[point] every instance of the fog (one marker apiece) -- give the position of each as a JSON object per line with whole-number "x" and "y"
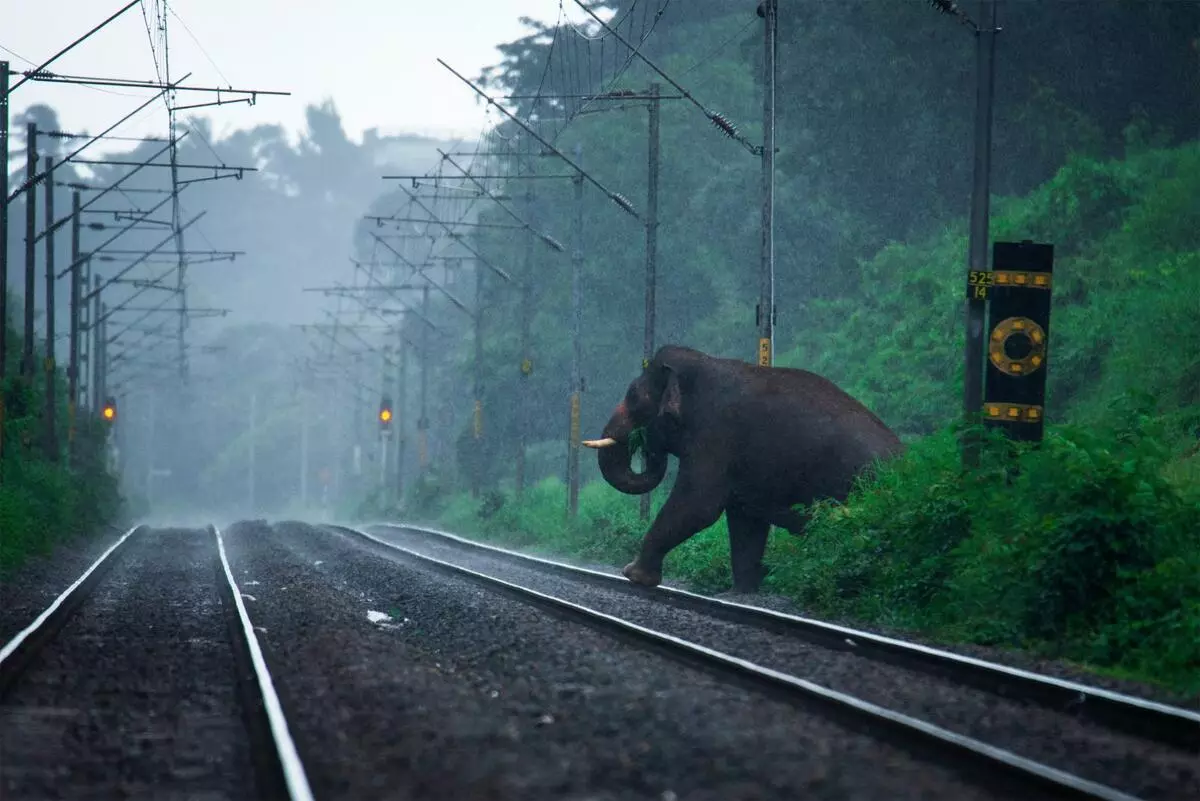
{"x": 272, "y": 410}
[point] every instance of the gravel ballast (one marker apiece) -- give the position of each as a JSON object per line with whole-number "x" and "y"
{"x": 1135, "y": 766}
{"x": 27, "y": 590}
{"x": 1024, "y": 660}
{"x": 136, "y": 695}
{"x": 465, "y": 693}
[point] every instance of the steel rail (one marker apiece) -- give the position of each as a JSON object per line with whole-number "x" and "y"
{"x": 283, "y": 765}
{"x": 16, "y": 655}
{"x": 1162, "y": 723}
{"x": 976, "y": 760}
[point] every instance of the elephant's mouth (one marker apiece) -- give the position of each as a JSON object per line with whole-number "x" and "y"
{"x": 616, "y": 459}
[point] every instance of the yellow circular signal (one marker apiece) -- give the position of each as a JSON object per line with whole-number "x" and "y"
{"x": 1017, "y": 346}
{"x": 385, "y": 415}
{"x": 109, "y": 412}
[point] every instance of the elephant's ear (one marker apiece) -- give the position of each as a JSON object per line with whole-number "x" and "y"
{"x": 671, "y": 397}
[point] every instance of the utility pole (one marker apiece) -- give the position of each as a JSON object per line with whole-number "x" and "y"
{"x": 477, "y": 461}
{"x": 401, "y": 416}
{"x": 51, "y": 431}
{"x": 3, "y": 249}
{"x": 423, "y": 420}
{"x": 73, "y": 337}
{"x": 976, "y": 308}
{"x": 306, "y": 401}
{"x": 86, "y": 388}
{"x": 3, "y": 237}
{"x": 30, "y": 257}
{"x": 253, "y": 435}
{"x": 355, "y": 423}
{"x": 651, "y": 245}
{"x": 151, "y": 443}
{"x": 577, "y": 345}
{"x": 102, "y": 356}
{"x": 526, "y": 355}
{"x": 384, "y": 429}
{"x": 96, "y": 349}
{"x": 766, "y": 299}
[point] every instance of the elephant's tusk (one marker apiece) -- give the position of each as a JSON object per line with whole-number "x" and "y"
{"x": 607, "y": 442}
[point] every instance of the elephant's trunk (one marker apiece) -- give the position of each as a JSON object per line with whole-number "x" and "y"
{"x": 616, "y": 462}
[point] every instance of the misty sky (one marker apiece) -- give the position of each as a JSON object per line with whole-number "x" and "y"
{"x": 376, "y": 58}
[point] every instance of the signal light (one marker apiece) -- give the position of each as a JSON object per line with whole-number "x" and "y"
{"x": 109, "y": 410}
{"x": 385, "y": 413}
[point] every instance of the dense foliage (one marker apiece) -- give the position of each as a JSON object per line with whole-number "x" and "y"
{"x": 876, "y": 104}
{"x": 43, "y": 502}
{"x": 1083, "y": 548}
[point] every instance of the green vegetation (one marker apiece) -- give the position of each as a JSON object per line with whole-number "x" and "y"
{"x": 44, "y": 503}
{"x": 1083, "y": 548}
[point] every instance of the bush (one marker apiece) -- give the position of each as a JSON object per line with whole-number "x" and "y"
{"x": 43, "y": 502}
{"x": 1078, "y": 549}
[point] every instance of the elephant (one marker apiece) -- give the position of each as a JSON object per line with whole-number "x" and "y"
{"x": 752, "y": 443}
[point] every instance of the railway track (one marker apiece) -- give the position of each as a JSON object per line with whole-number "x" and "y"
{"x": 1175, "y": 730}
{"x": 153, "y": 706}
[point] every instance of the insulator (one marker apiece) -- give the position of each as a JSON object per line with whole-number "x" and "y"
{"x": 945, "y": 6}
{"x": 554, "y": 243}
{"x": 724, "y": 124}
{"x": 623, "y": 202}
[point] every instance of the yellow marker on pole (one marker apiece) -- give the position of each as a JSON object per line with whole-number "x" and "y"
{"x": 764, "y": 352}
{"x": 478, "y": 419}
{"x": 575, "y": 430}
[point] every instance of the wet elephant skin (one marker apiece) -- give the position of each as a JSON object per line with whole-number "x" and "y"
{"x": 752, "y": 443}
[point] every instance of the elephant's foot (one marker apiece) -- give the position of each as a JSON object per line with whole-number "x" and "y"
{"x": 750, "y": 585}
{"x": 640, "y": 575}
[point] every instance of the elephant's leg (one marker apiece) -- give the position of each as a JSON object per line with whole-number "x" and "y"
{"x": 747, "y": 544}
{"x": 695, "y": 503}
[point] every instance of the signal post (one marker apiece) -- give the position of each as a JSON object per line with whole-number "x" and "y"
{"x": 385, "y": 434}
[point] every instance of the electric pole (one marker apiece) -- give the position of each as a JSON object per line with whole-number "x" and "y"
{"x": 51, "y": 431}
{"x": 356, "y": 424}
{"x": 477, "y": 461}
{"x": 3, "y": 249}
{"x": 94, "y": 351}
{"x": 766, "y": 299}
{"x": 526, "y": 355}
{"x": 577, "y": 345}
{"x": 102, "y": 356}
{"x": 384, "y": 430}
{"x": 306, "y": 405}
{"x": 423, "y": 419}
{"x": 976, "y": 308}
{"x": 651, "y": 245}
{"x": 3, "y": 237}
{"x": 73, "y": 336}
{"x": 86, "y": 358}
{"x": 30, "y": 256}
{"x": 401, "y": 416}
{"x": 253, "y": 435}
